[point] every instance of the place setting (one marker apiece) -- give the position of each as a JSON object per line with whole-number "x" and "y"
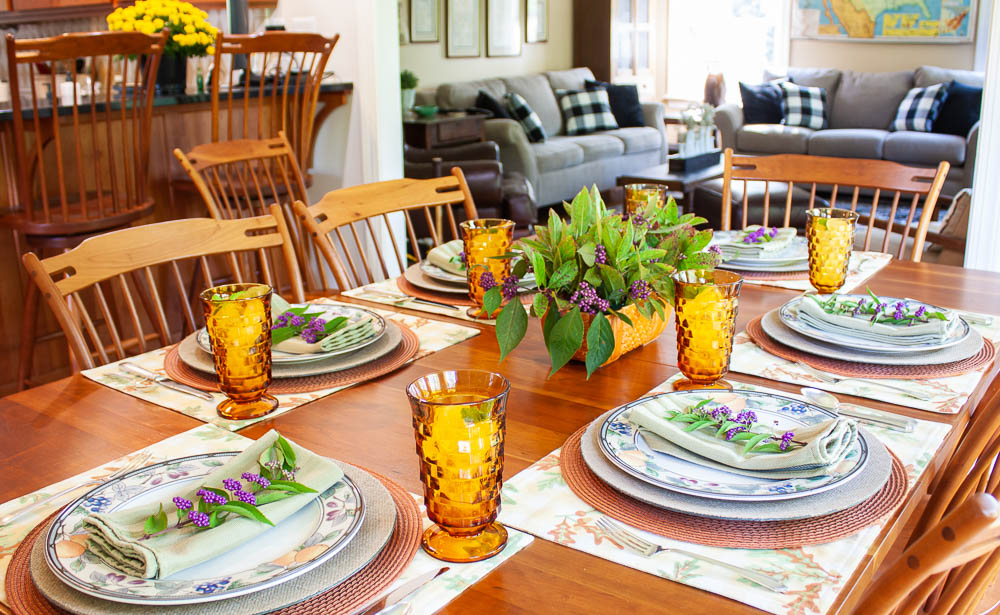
{"x": 265, "y": 355}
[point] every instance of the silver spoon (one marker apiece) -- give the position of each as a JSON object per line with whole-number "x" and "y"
{"x": 864, "y": 415}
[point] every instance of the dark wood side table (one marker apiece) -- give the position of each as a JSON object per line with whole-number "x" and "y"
{"x": 443, "y": 129}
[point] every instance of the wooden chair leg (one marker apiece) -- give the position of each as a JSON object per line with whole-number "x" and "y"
{"x": 29, "y": 323}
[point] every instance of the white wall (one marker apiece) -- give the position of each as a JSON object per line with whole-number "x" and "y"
{"x": 879, "y": 57}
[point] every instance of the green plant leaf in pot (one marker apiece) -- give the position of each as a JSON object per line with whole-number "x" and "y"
{"x": 565, "y": 339}
{"x": 512, "y": 324}
{"x": 600, "y": 343}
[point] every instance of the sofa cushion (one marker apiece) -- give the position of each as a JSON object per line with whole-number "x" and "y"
{"x": 571, "y": 79}
{"x": 638, "y": 138}
{"x": 535, "y": 89}
{"x": 596, "y": 146}
{"x": 462, "y": 94}
{"x": 803, "y": 105}
{"x": 920, "y": 108}
{"x": 924, "y": 148}
{"x": 761, "y": 103}
{"x": 485, "y": 101}
{"x": 929, "y": 75}
{"x": 521, "y": 111}
{"x": 624, "y": 99}
{"x": 773, "y": 139}
{"x": 960, "y": 110}
{"x": 558, "y": 153}
{"x": 868, "y": 100}
{"x": 587, "y": 112}
{"x": 848, "y": 143}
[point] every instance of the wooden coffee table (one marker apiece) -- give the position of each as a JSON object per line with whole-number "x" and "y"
{"x": 676, "y": 181}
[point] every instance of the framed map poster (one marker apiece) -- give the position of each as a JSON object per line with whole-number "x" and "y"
{"x": 910, "y": 21}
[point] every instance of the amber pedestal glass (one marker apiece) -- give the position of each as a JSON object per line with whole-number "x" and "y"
{"x": 639, "y": 195}
{"x": 485, "y": 238}
{"x": 705, "y": 304}
{"x": 240, "y": 331}
{"x": 830, "y": 233}
{"x": 459, "y": 418}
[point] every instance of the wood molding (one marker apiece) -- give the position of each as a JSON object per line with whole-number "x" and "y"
{"x": 9, "y": 16}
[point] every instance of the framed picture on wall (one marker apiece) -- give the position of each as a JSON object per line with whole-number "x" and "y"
{"x": 536, "y": 21}
{"x": 424, "y": 20}
{"x": 503, "y": 27}
{"x": 462, "y": 28}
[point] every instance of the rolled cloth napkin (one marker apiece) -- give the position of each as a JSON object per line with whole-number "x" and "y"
{"x": 934, "y": 330}
{"x": 350, "y": 333}
{"x": 115, "y": 537}
{"x": 735, "y": 247}
{"x": 827, "y": 443}
{"x": 442, "y": 256}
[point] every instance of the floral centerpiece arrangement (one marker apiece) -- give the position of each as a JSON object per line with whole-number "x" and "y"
{"x": 604, "y": 284}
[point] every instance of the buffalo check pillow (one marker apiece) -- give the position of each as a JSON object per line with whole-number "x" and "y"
{"x": 920, "y": 107}
{"x": 803, "y": 106}
{"x": 525, "y": 115}
{"x": 587, "y": 111}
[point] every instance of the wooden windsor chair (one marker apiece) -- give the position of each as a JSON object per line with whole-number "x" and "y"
{"x": 340, "y": 212}
{"x": 242, "y": 178}
{"x": 910, "y": 189}
{"x": 144, "y": 262}
{"x": 80, "y": 167}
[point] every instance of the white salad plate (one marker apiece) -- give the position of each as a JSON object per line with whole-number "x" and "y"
{"x": 314, "y": 534}
{"x": 624, "y": 445}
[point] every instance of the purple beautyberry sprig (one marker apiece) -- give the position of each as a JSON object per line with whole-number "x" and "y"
{"x": 486, "y": 280}
{"x": 509, "y": 288}
{"x": 231, "y": 484}
{"x": 198, "y": 519}
{"x": 640, "y": 290}
{"x": 600, "y": 255}
{"x": 183, "y": 504}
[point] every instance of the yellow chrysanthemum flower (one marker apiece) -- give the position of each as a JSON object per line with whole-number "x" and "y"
{"x": 189, "y": 29}
{"x": 210, "y": 50}
{"x": 158, "y": 24}
{"x": 127, "y": 26}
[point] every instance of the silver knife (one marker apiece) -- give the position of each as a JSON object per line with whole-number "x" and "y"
{"x": 402, "y": 592}
{"x": 142, "y": 372}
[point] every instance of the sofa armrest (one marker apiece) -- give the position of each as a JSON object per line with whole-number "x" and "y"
{"x": 652, "y": 115}
{"x": 515, "y": 151}
{"x": 729, "y": 119}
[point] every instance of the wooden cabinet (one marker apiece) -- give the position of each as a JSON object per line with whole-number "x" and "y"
{"x": 617, "y": 40}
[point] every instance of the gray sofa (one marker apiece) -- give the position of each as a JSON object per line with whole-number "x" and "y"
{"x": 558, "y": 167}
{"x": 861, "y": 106}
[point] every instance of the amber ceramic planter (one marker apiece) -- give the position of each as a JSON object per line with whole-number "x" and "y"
{"x": 627, "y": 338}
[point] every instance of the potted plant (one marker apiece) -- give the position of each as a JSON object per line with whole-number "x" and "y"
{"x": 190, "y": 35}
{"x": 604, "y": 285}
{"x": 408, "y": 88}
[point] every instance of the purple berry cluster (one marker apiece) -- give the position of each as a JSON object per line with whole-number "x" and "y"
{"x": 314, "y": 331}
{"x": 256, "y": 478}
{"x": 210, "y": 497}
{"x": 198, "y": 519}
{"x": 586, "y": 297}
{"x": 640, "y": 290}
{"x": 786, "y": 439}
{"x": 721, "y": 413}
{"x": 486, "y": 280}
{"x": 183, "y": 504}
{"x": 600, "y": 255}
{"x": 246, "y": 497}
{"x": 231, "y": 484}
{"x": 900, "y": 311}
{"x": 716, "y": 249}
{"x": 509, "y": 288}
{"x": 857, "y": 308}
{"x": 761, "y": 234}
{"x": 920, "y": 311}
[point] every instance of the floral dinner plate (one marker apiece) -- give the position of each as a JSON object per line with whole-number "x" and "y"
{"x": 296, "y": 545}
{"x": 623, "y": 445}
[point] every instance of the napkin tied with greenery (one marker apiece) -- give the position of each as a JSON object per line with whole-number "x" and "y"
{"x": 897, "y": 322}
{"x": 711, "y": 431}
{"x": 145, "y": 542}
{"x": 303, "y": 330}
{"x": 757, "y": 241}
{"x": 449, "y": 256}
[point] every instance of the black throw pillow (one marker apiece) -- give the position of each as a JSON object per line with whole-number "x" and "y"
{"x": 761, "y": 103}
{"x": 624, "y": 101}
{"x": 960, "y": 110}
{"x": 485, "y": 101}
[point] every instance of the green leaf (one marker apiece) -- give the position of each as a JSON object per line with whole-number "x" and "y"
{"x": 600, "y": 343}
{"x": 754, "y": 441}
{"x": 565, "y": 338}
{"x": 286, "y": 450}
{"x": 612, "y": 277}
{"x": 539, "y": 303}
{"x": 492, "y": 300}
{"x": 743, "y": 435}
{"x": 245, "y": 510}
{"x": 520, "y": 268}
{"x": 282, "y": 334}
{"x": 156, "y": 522}
{"x": 592, "y": 277}
{"x": 289, "y": 485}
{"x": 625, "y": 319}
{"x": 563, "y": 276}
{"x": 335, "y": 325}
{"x": 726, "y": 426}
{"x": 770, "y": 447}
{"x": 659, "y": 309}
{"x": 270, "y": 454}
{"x": 698, "y": 424}
{"x": 538, "y": 266}
{"x": 213, "y": 519}
{"x": 266, "y": 497}
{"x": 586, "y": 252}
{"x": 512, "y": 324}
{"x": 685, "y": 417}
{"x": 552, "y": 316}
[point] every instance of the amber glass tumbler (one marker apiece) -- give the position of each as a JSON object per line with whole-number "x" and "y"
{"x": 705, "y": 303}
{"x": 830, "y": 233}
{"x": 639, "y": 195}
{"x": 459, "y": 418}
{"x": 238, "y": 318}
{"x": 483, "y": 239}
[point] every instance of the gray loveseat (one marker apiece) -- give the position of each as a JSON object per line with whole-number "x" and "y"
{"x": 861, "y": 106}
{"x": 558, "y": 167}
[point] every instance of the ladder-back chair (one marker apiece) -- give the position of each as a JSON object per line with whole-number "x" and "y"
{"x": 281, "y": 79}
{"x": 80, "y": 162}
{"x": 130, "y": 272}
{"x": 968, "y": 534}
{"x": 894, "y": 189}
{"x": 333, "y": 223}
{"x": 242, "y": 178}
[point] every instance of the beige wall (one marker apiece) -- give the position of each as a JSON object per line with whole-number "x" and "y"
{"x": 880, "y": 57}
{"x": 428, "y": 61}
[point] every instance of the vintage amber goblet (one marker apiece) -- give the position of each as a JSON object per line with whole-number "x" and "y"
{"x": 830, "y": 233}
{"x": 459, "y": 418}
{"x": 238, "y": 318}
{"x": 638, "y": 196}
{"x": 705, "y": 303}
{"x": 484, "y": 239}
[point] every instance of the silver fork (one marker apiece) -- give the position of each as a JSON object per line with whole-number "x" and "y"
{"x": 637, "y": 544}
{"x": 831, "y": 379}
{"x": 138, "y": 462}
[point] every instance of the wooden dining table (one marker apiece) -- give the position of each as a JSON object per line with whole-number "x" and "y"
{"x": 60, "y": 429}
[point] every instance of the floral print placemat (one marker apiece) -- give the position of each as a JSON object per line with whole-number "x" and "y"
{"x": 434, "y": 335}
{"x": 948, "y": 395}
{"x": 388, "y": 292}
{"x": 862, "y": 267}
{"x": 538, "y": 500}
{"x": 212, "y": 439}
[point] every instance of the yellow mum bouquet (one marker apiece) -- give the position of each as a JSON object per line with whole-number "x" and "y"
{"x": 190, "y": 32}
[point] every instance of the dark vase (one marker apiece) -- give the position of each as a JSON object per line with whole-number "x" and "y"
{"x": 171, "y": 79}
